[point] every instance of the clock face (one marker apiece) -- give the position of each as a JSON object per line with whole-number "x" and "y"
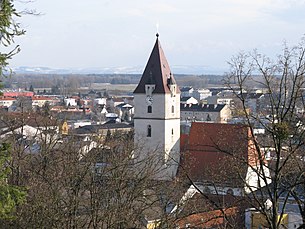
{"x": 149, "y": 100}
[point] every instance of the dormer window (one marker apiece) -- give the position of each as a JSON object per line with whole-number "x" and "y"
{"x": 149, "y": 88}
{"x": 150, "y": 85}
{"x": 171, "y": 85}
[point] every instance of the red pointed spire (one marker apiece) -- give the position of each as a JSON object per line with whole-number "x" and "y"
{"x": 157, "y": 71}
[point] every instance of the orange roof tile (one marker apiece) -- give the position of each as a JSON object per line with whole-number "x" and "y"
{"x": 41, "y": 98}
{"x": 216, "y": 152}
{"x": 208, "y": 219}
{"x": 7, "y": 98}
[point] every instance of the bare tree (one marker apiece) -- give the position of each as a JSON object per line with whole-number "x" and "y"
{"x": 282, "y": 119}
{"x": 66, "y": 188}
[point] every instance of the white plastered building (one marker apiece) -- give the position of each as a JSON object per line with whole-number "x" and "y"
{"x": 157, "y": 115}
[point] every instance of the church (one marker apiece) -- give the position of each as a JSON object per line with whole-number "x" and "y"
{"x": 157, "y": 114}
{"x": 217, "y": 159}
{"x": 157, "y": 133}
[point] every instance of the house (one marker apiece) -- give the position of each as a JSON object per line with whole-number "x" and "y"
{"x": 215, "y": 99}
{"x": 125, "y": 111}
{"x": 99, "y": 101}
{"x": 29, "y": 126}
{"x": 70, "y": 101}
{"x": 186, "y": 91}
{"x": 7, "y": 101}
{"x": 188, "y": 100}
{"x": 113, "y": 102}
{"x": 205, "y": 113}
{"x": 288, "y": 211}
{"x": 222, "y": 157}
{"x": 222, "y": 163}
{"x": 102, "y": 130}
{"x": 19, "y": 93}
{"x": 252, "y": 101}
{"x": 202, "y": 215}
{"x": 22, "y": 104}
{"x": 84, "y": 102}
{"x": 201, "y": 94}
{"x": 40, "y": 101}
{"x": 103, "y": 110}
{"x": 81, "y": 123}
{"x": 129, "y": 100}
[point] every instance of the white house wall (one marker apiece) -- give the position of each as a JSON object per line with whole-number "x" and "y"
{"x": 254, "y": 178}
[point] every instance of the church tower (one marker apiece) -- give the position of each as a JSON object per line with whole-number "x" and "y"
{"x": 157, "y": 114}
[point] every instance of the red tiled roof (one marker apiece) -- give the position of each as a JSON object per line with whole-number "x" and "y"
{"x": 210, "y": 219}
{"x": 18, "y": 93}
{"x": 7, "y": 98}
{"x": 41, "y": 98}
{"x": 217, "y": 152}
{"x": 58, "y": 108}
{"x": 183, "y": 141}
{"x": 32, "y": 119}
{"x": 157, "y": 71}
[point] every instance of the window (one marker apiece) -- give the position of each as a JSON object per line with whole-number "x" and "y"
{"x": 149, "y": 109}
{"x": 207, "y": 190}
{"x": 172, "y": 131}
{"x": 173, "y": 109}
{"x": 149, "y": 131}
{"x": 209, "y": 118}
{"x": 230, "y": 192}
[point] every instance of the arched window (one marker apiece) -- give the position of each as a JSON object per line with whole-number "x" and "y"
{"x": 173, "y": 109}
{"x": 209, "y": 118}
{"x": 149, "y": 109}
{"x": 230, "y": 192}
{"x": 149, "y": 131}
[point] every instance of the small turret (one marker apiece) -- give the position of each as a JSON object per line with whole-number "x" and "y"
{"x": 172, "y": 85}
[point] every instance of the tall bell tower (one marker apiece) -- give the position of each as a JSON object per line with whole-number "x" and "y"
{"x": 157, "y": 114}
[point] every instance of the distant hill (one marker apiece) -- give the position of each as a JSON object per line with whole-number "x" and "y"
{"x": 176, "y": 69}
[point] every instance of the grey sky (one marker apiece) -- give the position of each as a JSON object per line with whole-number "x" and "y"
{"x": 111, "y": 33}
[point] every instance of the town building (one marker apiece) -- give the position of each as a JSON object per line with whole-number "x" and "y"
{"x": 201, "y": 94}
{"x": 7, "y": 101}
{"x": 210, "y": 154}
{"x": 188, "y": 100}
{"x": 205, "y": 112}
{"x": 40, "y": 101}
{"x": 186, "y": 91}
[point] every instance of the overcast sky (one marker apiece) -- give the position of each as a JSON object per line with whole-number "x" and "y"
{"x": 117, "y": 33}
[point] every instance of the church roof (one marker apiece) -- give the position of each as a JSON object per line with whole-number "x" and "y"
{"x": 157, "y": 72}
{"x": 216, "y": 152}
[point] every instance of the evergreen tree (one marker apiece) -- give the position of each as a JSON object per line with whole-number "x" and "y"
{"x": 10, "y": 195}
{"x": 8, "y": 29}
